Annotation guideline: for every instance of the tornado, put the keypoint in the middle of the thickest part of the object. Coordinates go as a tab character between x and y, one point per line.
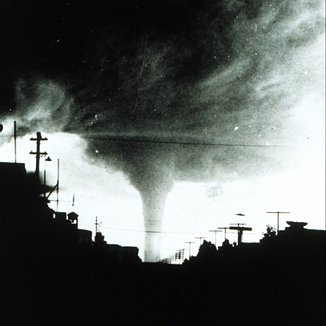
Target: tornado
153	212
233	73
150	170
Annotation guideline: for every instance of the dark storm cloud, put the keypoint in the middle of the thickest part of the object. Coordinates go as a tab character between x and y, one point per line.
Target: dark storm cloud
208	72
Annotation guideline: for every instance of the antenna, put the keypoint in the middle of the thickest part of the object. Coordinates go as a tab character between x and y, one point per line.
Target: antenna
97	224
278	217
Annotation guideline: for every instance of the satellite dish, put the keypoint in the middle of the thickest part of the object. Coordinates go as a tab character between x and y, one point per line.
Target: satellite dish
1	127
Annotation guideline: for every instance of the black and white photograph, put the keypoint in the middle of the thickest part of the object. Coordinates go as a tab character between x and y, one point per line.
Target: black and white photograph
162	162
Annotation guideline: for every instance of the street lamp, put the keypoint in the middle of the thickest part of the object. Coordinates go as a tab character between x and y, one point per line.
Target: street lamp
48	159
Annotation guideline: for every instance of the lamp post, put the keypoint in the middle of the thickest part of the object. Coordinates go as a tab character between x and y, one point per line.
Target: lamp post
48	159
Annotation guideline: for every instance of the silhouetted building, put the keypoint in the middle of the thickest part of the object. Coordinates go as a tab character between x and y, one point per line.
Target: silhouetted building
130	254
99	239
84	237
73	218
60	217
52	273
29	229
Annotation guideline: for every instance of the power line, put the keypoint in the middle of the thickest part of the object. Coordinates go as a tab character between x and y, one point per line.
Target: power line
173	142
149	231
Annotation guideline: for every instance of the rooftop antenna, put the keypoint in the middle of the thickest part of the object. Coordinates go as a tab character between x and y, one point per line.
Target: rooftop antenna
240	228
278	218
38	152
97	224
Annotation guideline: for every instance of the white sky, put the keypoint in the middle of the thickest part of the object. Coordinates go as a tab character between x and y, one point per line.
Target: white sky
190	210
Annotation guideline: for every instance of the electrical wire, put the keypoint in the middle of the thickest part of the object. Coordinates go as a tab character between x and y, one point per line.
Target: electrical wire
173	142
148	231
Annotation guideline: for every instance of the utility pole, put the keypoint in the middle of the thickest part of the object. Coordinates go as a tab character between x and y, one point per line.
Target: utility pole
182	254
58	178
189	250
278	217
240	230
179	256
38	152
224	228
15	140
215	231
200	238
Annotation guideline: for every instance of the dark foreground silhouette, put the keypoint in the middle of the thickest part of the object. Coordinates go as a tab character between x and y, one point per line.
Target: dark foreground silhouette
52	273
